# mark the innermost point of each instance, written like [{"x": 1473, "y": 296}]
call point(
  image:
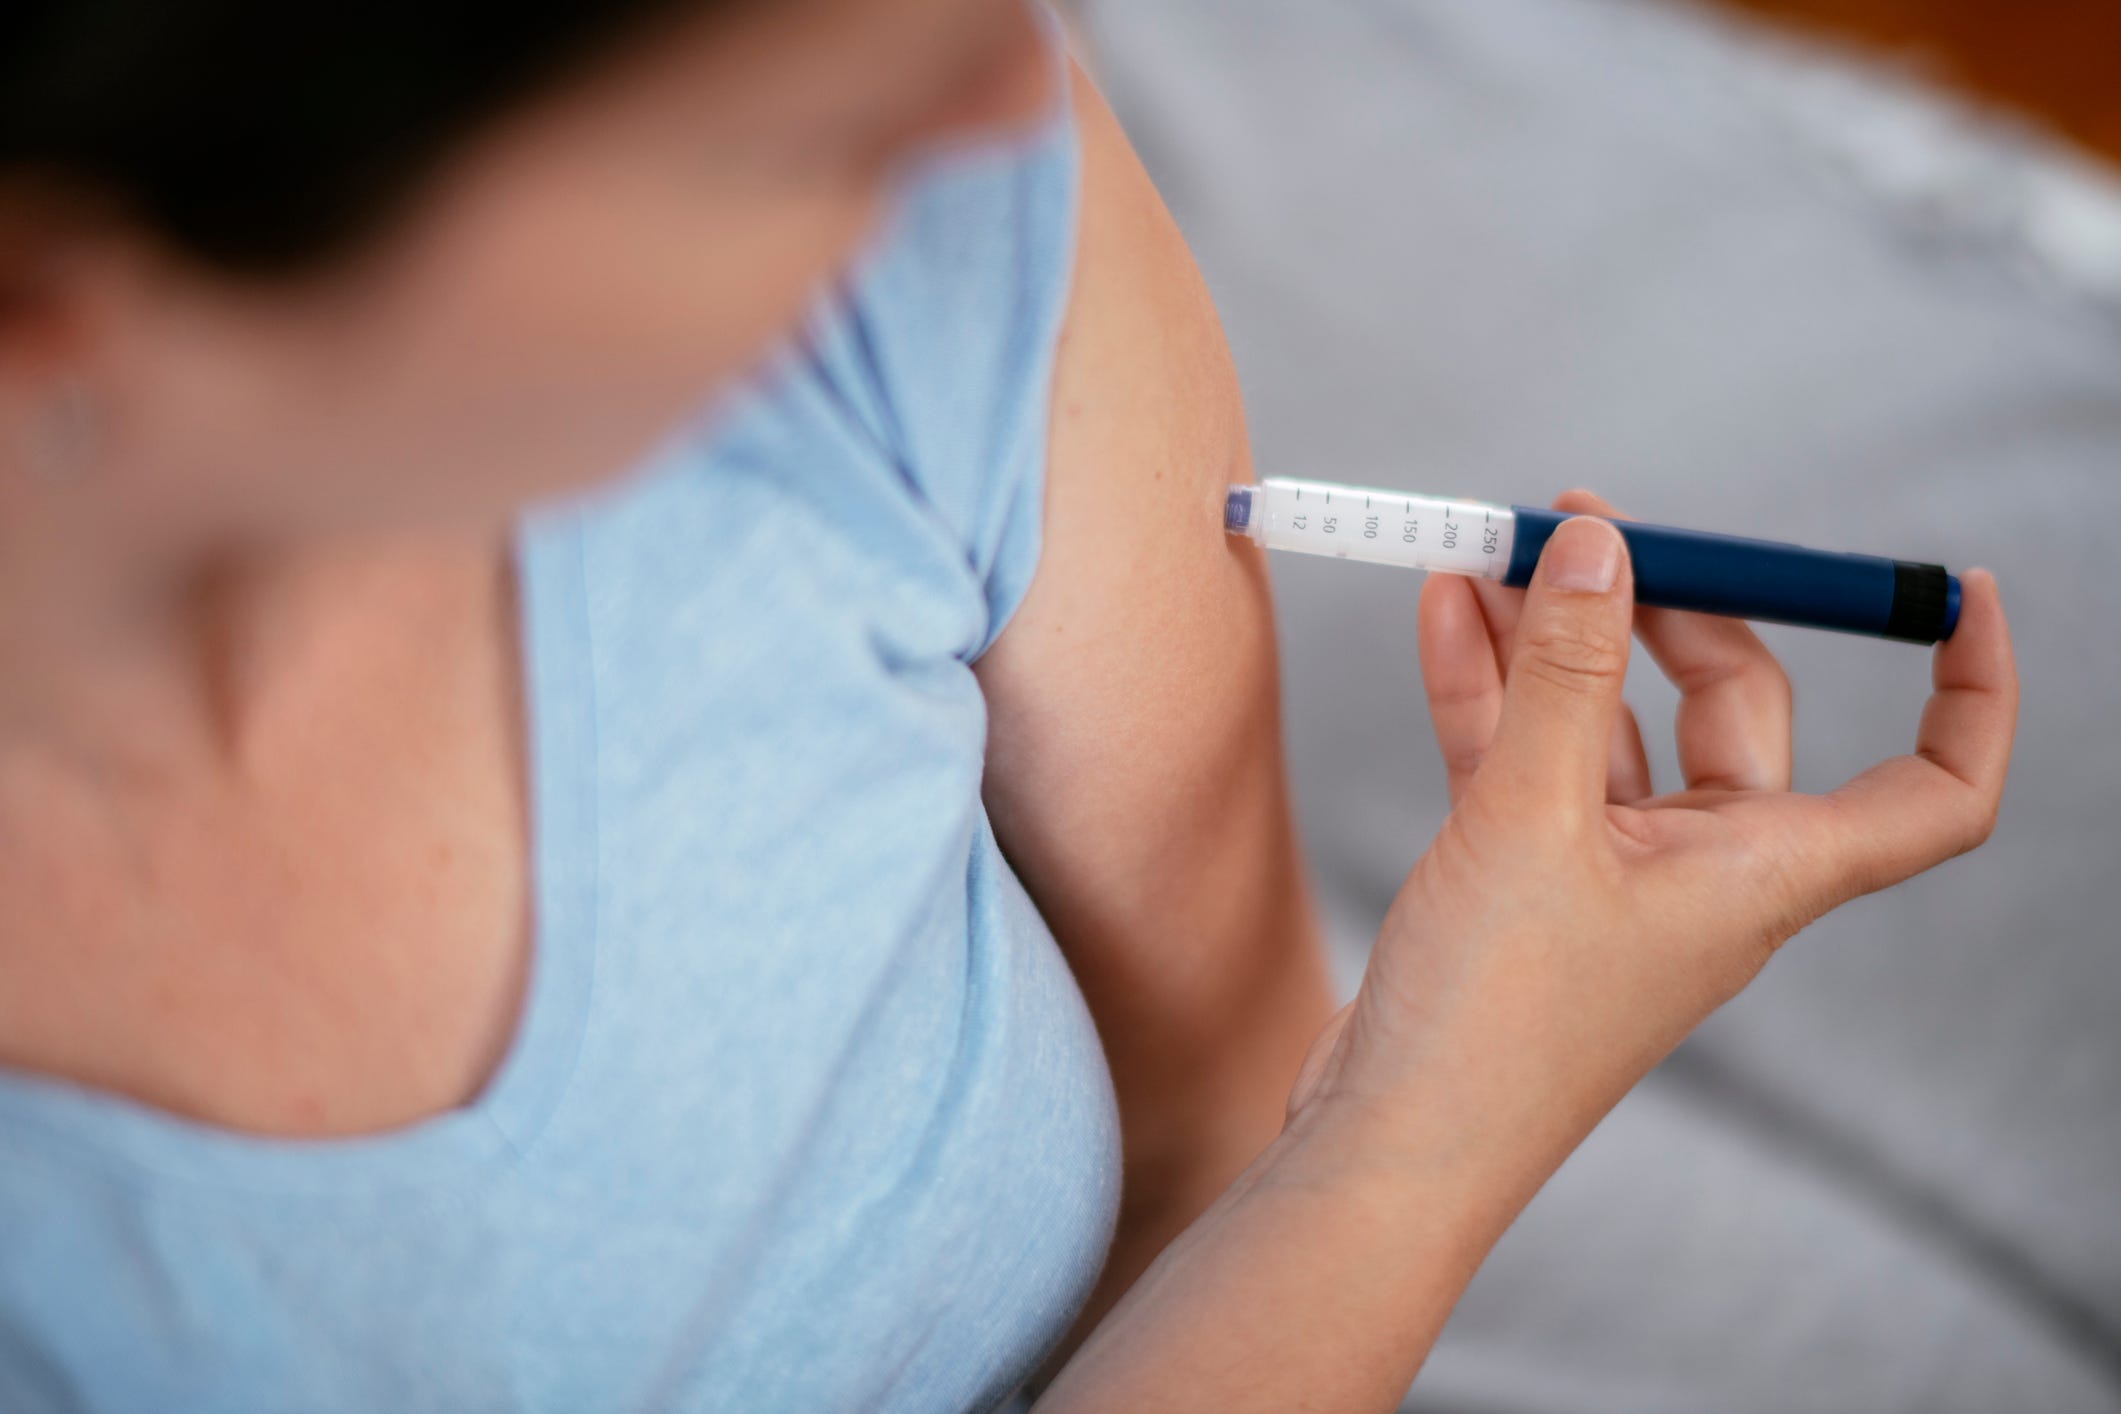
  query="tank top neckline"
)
[{"x": 500, "y": 1125}]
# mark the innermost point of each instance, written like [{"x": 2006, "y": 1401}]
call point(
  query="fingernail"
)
[{"x": 1582, "y": 556}]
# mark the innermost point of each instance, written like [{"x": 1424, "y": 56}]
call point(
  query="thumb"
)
[{"x": 1567, "y": 663}]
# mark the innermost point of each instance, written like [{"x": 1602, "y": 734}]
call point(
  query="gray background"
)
[{"x": 1501, "y": 247}]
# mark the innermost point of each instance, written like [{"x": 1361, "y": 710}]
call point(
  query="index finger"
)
[
  {"x": 1733, "y": 723},
  {"x": 1914, "y": 812}
]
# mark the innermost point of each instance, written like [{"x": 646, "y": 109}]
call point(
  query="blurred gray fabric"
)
[{"x": 1502, "y": 247}]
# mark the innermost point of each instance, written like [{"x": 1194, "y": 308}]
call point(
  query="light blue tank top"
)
[{"x": 805, "y": 1111}]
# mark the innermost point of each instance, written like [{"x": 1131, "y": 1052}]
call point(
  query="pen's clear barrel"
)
[{"x": 1384, "y": 527}]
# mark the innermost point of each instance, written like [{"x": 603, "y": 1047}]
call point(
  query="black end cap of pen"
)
[{"x": 1921, "y": 603}]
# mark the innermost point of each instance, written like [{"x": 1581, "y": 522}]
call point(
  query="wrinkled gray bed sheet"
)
[{"x": 1501, "y": 247}]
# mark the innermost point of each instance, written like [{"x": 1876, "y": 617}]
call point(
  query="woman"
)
[{"x": 711, "y": 942}]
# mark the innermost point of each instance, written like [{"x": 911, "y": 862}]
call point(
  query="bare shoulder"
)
[
  {"x": 1134, "y": 764},
  {"x": 1139, "y": 595},
  {"x": 1143, "y": 358}
]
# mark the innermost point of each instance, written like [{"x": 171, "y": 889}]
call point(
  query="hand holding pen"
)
[
  {"x": 1568, "y": 927},
  {"x": 1565, "y": 930}
]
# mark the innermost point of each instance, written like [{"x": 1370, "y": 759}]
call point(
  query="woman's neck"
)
[
  {"x": 199, "y": 668},
  {"x": 263, "y": 842}
]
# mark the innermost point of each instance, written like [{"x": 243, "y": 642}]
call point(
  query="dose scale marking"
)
[
  {"x": 1382, "y": 527},
  {"x": 1679, "y": 569}
]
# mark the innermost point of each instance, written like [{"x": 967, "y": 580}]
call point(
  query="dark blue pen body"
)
[{"x": 1762, "y": 579}]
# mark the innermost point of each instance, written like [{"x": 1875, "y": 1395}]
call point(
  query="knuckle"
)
[
  {"x": 1977, "y": 824},
  {"x": 1463, "y": 758},
  {"x": 1761, "y": 677},
  {"x": 1778, "y": 680},
  {"x": 1572, "y": 655}
]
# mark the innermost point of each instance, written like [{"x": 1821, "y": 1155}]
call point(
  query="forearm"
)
[
  {"x": 1319, "y": 1280},
  {"x": 1194, "y": 1120},
  {"x": 1198, "y": 1107}
]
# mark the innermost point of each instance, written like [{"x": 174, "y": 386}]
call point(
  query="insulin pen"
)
[{"x": 1674, "y": 569}]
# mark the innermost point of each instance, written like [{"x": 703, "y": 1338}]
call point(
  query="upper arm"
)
[{"x": 1135, "y": 772}]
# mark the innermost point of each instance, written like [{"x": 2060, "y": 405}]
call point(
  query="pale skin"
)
[{"x": 226, "y": 658}]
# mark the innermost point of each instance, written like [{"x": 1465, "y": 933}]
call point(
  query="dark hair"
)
[{"x": 265, "y": 136}]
